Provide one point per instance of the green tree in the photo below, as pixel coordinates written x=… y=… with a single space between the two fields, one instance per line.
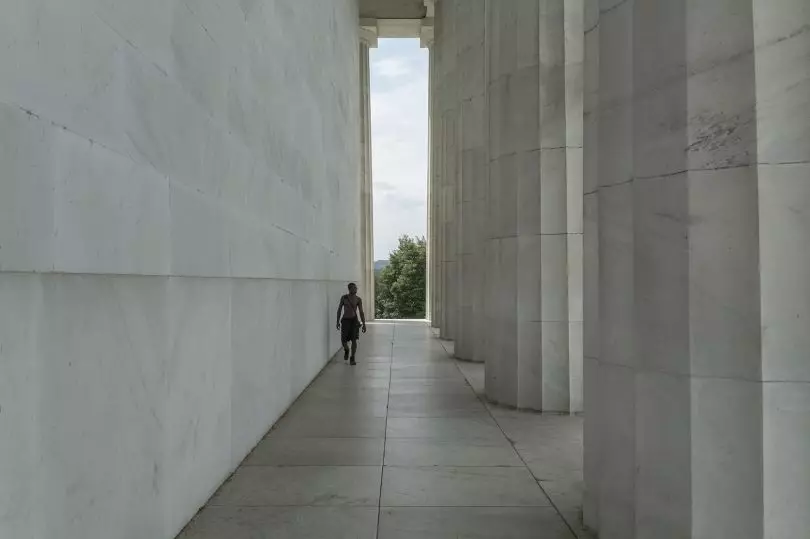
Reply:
x=400 y=286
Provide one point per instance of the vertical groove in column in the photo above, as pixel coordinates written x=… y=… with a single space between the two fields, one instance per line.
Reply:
x=524 y=133
x=591 y=381
x=574 y=131
x=553 y=209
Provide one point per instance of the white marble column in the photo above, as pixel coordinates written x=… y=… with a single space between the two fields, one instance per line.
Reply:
x=450 y=156
x=535 y=90
x=700 y=383
x=505 y=88
x=366 y=189
x=470 y=26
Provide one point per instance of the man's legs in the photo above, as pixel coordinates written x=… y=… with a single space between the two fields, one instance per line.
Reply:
x=346 y=331
x=354 y=349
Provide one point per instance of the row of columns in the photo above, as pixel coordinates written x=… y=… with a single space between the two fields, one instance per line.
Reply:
x=506 y=194
x=690 y=232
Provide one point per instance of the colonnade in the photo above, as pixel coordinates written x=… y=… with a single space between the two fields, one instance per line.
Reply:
x=506 y=194
x=679 y=238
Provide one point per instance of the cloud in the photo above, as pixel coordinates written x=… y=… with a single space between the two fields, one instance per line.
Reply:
x=399 y=113
x=392 y=67
x=382 y=186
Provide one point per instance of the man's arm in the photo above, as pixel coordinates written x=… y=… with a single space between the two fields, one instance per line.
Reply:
x=340 y=308
x=362 y=314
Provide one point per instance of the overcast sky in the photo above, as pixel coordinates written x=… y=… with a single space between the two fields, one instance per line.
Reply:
x=399 y=121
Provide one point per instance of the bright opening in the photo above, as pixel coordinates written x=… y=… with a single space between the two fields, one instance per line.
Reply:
x=399 y=138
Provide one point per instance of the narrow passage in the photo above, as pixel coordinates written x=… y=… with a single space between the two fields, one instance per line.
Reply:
x=402 y=447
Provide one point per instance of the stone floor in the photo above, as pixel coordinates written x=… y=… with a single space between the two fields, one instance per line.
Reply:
x=402 y=446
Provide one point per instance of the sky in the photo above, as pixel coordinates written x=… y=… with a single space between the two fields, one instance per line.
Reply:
x=399 y=138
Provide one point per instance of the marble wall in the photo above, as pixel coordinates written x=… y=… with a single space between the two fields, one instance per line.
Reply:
x=173 y=241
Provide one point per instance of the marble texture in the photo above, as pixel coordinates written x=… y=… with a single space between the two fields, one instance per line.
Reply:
x=168 y=220
x=693 y=214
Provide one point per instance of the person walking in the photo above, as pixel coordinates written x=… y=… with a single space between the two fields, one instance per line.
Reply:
x=348 y=323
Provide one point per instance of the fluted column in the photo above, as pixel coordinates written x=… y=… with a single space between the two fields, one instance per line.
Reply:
x=448 y=109
x=533 y=275
x=366 y=189
x=698 y=401
x=506 y=109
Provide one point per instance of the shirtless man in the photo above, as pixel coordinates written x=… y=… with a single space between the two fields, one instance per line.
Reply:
x=348 y=325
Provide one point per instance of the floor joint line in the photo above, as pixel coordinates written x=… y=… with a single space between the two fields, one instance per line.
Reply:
x=385 y=432
x=512 y=445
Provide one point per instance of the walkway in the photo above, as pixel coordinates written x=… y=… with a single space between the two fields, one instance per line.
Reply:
x=454 y=468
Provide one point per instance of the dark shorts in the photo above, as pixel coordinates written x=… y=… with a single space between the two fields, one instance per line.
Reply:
x=349 y=329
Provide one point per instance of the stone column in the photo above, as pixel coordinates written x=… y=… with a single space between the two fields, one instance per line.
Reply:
x=470 y=17
x=449 y=135
x=506 y=86
x=702 y=397
x=535 y=89
x=366 y=191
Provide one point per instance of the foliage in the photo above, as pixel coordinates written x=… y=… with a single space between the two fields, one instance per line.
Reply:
x=400 y=286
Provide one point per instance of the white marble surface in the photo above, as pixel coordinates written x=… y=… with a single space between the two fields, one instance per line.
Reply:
x=172 y=245
x=698 y=292
x=155 y=134
x=534 y=205
x=144 y=392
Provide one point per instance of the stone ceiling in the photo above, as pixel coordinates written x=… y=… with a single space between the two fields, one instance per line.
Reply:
x=392 y=9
